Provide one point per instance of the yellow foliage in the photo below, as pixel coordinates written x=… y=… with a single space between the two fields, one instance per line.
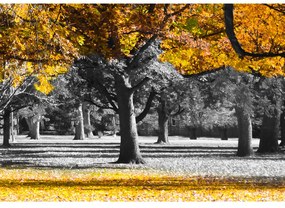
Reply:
x=43 y=85
x=129 y=185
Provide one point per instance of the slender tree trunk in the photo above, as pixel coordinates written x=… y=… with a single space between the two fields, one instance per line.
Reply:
x=87 y=120
x=282 y=127
x=245 y=133
x=79 y=128
x=192 y=133
x=163 y=118
x=12 y=127
x=6 y=128
x=34 y=127
x=224 y=133
x=129 y=148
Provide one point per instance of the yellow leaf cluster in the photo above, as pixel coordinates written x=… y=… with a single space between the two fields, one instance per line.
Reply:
x=43 y=85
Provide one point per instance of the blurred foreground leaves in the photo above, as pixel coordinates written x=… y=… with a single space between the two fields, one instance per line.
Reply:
x=57 y=185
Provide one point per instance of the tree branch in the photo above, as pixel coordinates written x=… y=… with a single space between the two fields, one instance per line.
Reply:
x=229 y=23
x=139 y=53
x=140 y=84
x=105 y=92
x=179 y=111
x=143 y=114
x=91 y=101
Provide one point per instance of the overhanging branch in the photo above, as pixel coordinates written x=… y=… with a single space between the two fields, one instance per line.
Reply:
x=229 y=23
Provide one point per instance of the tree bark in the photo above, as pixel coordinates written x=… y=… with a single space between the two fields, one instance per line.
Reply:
x=245 y=133
x=87 y=120
x=269 y=132
x=282 y=127
x=224 y=133
x=163 y=118
x=6 y=128
x=192 y=133
x=129 y=148
x=34 y=126
x=12 y=127
x=79 y=128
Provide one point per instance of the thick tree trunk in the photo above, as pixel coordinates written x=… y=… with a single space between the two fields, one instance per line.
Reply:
x=224 y=133
x=129 y=148
x=193 y=133
x=269 y=132
x=6 y=128
x=34 y=127
x=245 y=133
x=87 y=120
x=271 y=121
x=282 y=127
x=163 y=118
x=79 y=128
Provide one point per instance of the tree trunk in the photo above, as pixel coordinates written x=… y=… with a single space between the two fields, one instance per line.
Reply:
x=79 y=128
x=163 y=118
x=129 y=148
x=34 y=127
x=269 y=133
x=282 y=126
x=87 y=121
x=224 y=133
x=192 y=133
x=271 y=120
x=6 y=128
x=245 y=133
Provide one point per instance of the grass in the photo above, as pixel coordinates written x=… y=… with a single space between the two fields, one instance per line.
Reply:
x=59 y=169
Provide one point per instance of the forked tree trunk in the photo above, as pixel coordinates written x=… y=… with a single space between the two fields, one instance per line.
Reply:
x=79 y=128
x=129 y=148
x=244 y=132
x=163 y=118
x=34 y=127
x=87 y=121
x=269 y=132
x=224 y=133
x=6 y=128
x=193 y=133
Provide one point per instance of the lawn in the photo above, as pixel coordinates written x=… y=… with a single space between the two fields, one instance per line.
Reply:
x=60 y=169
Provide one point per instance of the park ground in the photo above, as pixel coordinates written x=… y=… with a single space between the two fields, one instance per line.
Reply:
x=57 y=168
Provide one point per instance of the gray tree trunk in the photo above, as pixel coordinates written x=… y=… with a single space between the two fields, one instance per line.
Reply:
x=163 y=118
x=245 y=133
x=271 y=121
x=129 y=148
x=224 y=133
x=193 y=133
x=34 y=127
x=6 y=128
x=79 y=128
x=269 y=133
x=87 y=121
x=282 y=128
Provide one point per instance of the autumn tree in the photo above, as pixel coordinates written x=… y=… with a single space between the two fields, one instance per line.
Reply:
x=33 y=45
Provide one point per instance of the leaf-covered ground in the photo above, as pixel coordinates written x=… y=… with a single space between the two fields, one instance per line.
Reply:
x=59 y=169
